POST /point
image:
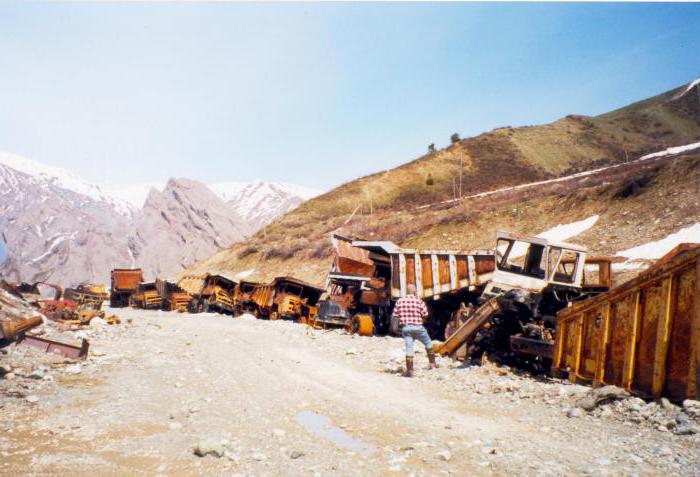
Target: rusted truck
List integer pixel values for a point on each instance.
(534, 278)
(88, 295)
(210, 293)
(147, 297)
(368, 277)
(286, 298)
(243, 296)
(173, 296)
(643, 335)
(124, 284)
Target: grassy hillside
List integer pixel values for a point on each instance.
(383, 205)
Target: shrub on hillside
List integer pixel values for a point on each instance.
(284, 251)
(246, 252)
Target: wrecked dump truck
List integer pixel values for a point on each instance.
(286, 298)
(146, 297)
(534, 279)
(643, 335)
(368, 277)
(210, 293)
(88, 295)
(124, 284)
(173, 297)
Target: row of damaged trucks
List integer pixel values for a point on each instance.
(535, 303)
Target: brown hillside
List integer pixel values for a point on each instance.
(384, 204)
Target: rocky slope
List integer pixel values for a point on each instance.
(636, 204)
(184, 223)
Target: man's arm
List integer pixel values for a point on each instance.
(396, 313)
(423, 311)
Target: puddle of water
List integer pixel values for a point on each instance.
(322, 426)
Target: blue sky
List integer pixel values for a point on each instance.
(316, 94)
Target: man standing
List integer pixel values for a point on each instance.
(411, 313)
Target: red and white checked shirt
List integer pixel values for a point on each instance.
(410, 310)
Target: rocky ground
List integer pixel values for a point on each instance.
(276, 398)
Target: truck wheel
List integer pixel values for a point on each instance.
(363, 324)
(204, 306)
(273, 316)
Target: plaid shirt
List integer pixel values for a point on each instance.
(410, 310)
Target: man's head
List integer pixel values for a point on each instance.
(411, 290)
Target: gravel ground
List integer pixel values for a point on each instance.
(277, 398)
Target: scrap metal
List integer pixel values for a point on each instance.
(643, 335)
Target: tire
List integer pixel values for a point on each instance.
(362, 324)
(274, 316)
(204, 306)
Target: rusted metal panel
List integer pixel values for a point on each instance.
(680, 346)
(58, 347)
(418, 274)
(191, 284)
(395, 276)
(466, 331)
(426, 271)
(643, 335)
(126, 279)
(410, 269)
(462, 267)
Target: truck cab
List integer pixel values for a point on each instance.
(534, 264)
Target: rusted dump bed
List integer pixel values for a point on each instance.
(126, 279)
(192, 284)
(643, 335)
(433, 272)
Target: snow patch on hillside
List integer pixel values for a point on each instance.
(563, 232)
(672, 151)
(659, 248)
(559, 233)
(690, 86)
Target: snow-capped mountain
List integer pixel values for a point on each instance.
(61, 228)
(46, 175)
(259, 203)
(57, 228)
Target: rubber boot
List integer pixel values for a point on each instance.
(431, 359)
(409, 367)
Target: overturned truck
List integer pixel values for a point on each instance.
(368, 277)
(534, 279)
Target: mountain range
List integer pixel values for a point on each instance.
(57, 227)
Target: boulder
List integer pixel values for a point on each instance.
(209, 446)
(601, 395)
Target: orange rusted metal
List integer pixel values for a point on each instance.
(643, 335)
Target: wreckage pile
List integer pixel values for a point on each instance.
(530, 303)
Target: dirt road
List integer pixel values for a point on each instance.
(283, 399)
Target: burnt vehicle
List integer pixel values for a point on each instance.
(534, 279)
(367, 278)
